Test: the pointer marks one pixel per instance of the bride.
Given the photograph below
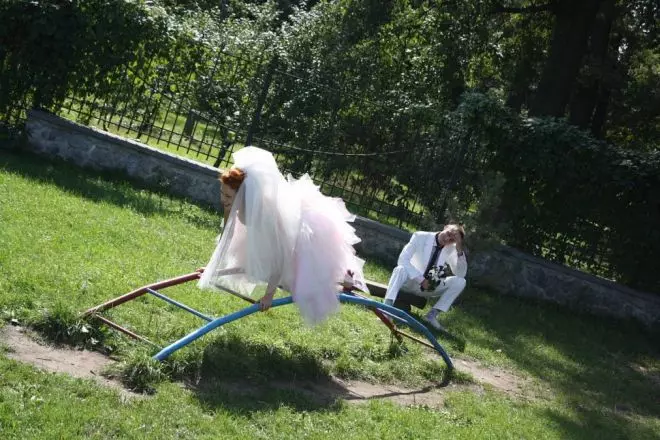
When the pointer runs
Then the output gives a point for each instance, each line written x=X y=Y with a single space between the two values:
x=282 y=232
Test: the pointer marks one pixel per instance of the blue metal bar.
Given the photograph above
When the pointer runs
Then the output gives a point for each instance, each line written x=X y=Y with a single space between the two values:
x=390 y=310
x=180 y=305
x=412 y=322
x=165 y=352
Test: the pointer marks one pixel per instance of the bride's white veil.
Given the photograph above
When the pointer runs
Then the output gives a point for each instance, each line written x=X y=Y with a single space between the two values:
x=265 y=206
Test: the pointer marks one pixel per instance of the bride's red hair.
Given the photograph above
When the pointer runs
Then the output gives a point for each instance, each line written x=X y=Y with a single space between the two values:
x=232 y=177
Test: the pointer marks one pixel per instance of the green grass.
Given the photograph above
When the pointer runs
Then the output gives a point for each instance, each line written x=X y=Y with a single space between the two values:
x=70 y=239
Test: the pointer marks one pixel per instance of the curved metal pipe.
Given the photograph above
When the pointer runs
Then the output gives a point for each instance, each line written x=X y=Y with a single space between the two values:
x=410 y=321
x=345 y=298
x=167 y=351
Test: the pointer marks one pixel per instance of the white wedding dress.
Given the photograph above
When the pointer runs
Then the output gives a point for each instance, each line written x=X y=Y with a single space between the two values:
x=285 y=231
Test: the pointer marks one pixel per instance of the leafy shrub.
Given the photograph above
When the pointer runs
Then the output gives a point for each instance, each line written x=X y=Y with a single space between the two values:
x=48 y=47
x=566 y=196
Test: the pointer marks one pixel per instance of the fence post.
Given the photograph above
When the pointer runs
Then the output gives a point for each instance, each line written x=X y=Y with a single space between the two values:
x=191 y=122
x=452 y=182
x=254 y=125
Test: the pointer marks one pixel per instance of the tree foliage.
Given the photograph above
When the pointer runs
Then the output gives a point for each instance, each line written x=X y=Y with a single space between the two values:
x=422 y=104
x=48 y=47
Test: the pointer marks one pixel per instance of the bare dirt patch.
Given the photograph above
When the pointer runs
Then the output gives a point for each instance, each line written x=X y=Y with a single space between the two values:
x=89 y=365
x=501 y=380
x=77 y=363
x=360 y=391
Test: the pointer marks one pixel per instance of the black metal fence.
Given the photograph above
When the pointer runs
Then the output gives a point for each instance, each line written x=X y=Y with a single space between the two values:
x=207 y=113
x=14 y=116
x=209 y=109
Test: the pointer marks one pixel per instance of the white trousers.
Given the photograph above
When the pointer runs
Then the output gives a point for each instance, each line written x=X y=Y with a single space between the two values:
x=448 y=290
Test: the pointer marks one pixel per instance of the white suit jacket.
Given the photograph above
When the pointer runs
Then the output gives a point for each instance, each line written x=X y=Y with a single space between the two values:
x=415 y=256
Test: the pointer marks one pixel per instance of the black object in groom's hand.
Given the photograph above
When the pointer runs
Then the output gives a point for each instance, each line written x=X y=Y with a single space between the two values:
x=432 y=260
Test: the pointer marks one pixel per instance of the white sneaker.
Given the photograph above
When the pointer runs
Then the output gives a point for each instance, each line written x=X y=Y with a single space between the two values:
x=433 y=323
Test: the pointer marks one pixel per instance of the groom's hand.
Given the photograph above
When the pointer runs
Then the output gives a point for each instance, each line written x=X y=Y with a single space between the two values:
x=425 y=285
x=459 y=242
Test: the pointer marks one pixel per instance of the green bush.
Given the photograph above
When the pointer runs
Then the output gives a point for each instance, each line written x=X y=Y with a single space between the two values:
x=566 y=196
x=48 y=47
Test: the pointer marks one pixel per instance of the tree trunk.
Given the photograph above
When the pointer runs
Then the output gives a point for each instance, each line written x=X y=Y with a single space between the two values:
x=583 y=103
x=588 y=90
x=573 y=24
x=600 y=114
x=518 y=93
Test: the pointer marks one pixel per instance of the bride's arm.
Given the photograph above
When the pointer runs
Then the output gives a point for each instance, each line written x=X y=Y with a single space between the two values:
x=266 y=301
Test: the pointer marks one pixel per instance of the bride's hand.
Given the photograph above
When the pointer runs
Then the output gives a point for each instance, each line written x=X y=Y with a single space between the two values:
x=265 y=302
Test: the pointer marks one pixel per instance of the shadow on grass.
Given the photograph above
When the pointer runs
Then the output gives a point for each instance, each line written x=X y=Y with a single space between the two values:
x=448 y=335
x=102 y=186
x=235 y=356
x=592 y=424
x=244 y=397
x=594 y=364
x=247 y=375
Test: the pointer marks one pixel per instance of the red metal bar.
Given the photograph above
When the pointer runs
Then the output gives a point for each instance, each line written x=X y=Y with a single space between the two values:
x=196 y=275
x=124 y=330
x=399 y=332
x=390 y=324
x=387 y=321
x=393 y=328
x=243 y=297
x=142 y=290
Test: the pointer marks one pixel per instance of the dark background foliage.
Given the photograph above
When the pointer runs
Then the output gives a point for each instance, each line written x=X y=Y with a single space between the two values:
x=535 y=122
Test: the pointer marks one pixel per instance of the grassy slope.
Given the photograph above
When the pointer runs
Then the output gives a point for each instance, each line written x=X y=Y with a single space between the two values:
x=71 y=239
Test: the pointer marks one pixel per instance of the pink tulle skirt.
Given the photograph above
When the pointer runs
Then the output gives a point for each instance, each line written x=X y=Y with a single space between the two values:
x=324 y=252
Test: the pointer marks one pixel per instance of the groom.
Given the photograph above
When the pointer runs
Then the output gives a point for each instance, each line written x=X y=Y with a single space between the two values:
x=432 y=264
